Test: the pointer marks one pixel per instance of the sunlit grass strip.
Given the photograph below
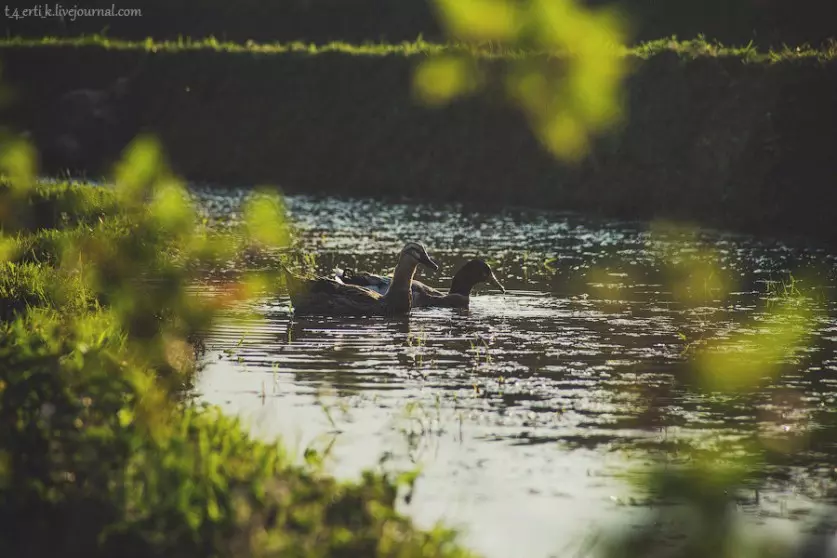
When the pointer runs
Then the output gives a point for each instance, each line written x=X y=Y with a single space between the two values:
x=688 y=49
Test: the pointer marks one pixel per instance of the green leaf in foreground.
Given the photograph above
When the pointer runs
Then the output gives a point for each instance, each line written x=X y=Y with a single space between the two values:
x=568 y=95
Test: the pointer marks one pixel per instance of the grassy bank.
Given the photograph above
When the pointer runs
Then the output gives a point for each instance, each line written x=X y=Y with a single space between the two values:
x=726 y=137
x=765 y=22
x=687 y=50
x=100 y=455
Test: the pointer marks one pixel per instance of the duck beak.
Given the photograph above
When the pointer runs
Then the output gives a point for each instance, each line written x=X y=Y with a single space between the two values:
x=493 y=280
x=425 y=260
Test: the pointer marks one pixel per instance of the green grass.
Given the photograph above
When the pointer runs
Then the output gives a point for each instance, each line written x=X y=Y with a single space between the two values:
x=700 y=47
x=95 y=444
x=29 y=285
x=96 y=350
x=688 y=49
x=59 y=205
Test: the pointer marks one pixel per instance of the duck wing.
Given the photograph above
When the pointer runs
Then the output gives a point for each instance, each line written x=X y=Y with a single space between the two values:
x=377 y=283
x=380 y=284
x=327 y=296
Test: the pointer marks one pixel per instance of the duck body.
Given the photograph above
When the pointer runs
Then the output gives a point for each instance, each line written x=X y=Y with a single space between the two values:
x=326 y=296
x=472 y=273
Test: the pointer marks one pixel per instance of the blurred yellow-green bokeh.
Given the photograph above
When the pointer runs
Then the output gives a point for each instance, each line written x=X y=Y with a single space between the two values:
x=569 y=91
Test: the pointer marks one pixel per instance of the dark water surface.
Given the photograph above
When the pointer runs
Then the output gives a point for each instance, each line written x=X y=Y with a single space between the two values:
x=530 y=412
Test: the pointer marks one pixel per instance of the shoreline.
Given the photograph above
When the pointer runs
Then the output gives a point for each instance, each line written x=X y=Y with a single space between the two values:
x=730 y=139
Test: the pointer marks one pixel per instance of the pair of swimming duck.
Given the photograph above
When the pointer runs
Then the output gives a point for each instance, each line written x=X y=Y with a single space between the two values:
x=352 y=293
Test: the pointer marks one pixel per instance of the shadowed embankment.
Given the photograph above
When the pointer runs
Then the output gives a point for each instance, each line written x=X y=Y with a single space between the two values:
x=716 y=137
x=766 y=23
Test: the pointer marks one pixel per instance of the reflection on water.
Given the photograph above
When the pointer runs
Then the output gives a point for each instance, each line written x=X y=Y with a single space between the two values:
x=527 y=410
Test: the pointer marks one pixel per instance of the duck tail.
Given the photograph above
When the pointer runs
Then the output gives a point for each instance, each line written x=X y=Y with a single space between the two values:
x=295 y=284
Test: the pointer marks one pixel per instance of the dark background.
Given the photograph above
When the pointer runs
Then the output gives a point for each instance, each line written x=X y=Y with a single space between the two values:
x=767 y=23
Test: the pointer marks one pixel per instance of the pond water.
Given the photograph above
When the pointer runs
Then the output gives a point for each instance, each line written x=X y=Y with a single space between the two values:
x=530 y=412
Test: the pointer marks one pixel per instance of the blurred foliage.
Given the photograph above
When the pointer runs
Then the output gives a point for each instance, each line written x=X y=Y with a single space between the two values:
x=568 y=94
x=692 y=509
x=103 y=309
x=443 y=77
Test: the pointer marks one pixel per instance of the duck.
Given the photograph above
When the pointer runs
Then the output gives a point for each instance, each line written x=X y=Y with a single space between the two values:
x=328 y=296
x=458 y=296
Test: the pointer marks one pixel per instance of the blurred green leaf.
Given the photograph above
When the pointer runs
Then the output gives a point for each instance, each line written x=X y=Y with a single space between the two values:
x=17 y=161
x=126 y=417
x=480 y=19
x=440 y=79
x=745 y=359
x=139 y=167
x=569 y=92
x=8 y=248
x=266 y=220
x=172 y=207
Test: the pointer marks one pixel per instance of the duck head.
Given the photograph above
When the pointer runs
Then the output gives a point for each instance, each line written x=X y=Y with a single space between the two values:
x=416 y=252
x=473 y=272
x=399 y=298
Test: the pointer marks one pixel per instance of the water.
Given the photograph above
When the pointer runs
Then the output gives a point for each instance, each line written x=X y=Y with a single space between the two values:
x=529 y=412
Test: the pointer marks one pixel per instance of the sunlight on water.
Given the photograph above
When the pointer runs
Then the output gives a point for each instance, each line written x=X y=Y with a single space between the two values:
x=525 y=411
